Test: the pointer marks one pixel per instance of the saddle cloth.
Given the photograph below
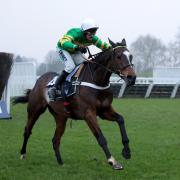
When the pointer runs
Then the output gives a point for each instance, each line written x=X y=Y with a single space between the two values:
x=69 y=86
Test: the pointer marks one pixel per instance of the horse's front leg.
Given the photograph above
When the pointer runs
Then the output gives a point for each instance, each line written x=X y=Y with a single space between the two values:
x=93 y=125
x=111 y=115
x=60 y=128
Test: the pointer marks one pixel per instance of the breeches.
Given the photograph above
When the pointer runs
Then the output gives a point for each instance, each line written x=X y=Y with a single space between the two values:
x=71 y=60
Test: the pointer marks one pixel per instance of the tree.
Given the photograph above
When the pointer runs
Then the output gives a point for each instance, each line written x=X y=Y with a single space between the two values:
x=42 y=68
x=148 y=52
x=51 y=63
x=174 y=51
x=51 y=57
x=19 y=58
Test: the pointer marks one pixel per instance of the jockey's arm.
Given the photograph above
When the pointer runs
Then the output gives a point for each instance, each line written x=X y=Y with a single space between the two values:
x=67 y=43
x=100 y=44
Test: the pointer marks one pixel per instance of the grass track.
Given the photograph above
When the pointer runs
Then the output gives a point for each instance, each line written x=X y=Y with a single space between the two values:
x=153 y=126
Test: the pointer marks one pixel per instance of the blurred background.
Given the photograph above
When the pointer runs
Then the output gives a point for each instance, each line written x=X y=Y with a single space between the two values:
x=31 y=29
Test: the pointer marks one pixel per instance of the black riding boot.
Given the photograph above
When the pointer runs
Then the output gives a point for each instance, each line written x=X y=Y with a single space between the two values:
x=61 y=78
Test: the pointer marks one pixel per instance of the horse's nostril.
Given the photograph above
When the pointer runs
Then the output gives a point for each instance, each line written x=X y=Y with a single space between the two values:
x=131 y=80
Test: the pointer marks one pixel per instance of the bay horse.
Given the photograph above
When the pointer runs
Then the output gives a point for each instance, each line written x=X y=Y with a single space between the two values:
x=88 y=103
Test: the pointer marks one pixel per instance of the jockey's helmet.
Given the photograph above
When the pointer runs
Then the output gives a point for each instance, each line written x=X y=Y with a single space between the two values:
x=89 y=24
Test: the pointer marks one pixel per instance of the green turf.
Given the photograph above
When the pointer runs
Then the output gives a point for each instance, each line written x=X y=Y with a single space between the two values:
x=153 y=127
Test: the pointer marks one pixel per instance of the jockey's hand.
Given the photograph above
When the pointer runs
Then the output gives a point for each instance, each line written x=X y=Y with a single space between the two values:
x=81 y=49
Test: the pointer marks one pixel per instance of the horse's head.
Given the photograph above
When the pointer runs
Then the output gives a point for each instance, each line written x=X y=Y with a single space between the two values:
x=121 y=62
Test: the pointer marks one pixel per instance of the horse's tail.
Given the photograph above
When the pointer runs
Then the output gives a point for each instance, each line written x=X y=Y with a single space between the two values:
x=22 y=99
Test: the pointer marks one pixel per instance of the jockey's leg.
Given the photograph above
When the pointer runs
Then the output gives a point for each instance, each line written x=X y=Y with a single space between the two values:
x=61 y=78
x=69 y=66
x=78 y=58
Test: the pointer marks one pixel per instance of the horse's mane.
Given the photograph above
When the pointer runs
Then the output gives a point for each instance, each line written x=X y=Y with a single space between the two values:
x=101 y=55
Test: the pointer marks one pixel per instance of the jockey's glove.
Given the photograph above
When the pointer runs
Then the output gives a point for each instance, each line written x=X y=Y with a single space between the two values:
x=81 y=49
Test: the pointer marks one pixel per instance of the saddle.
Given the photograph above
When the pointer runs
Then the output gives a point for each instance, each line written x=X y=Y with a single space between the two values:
x=69 y=86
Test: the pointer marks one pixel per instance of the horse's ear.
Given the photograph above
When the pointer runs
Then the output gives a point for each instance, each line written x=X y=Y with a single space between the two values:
x=123 y=42
x=112 y=43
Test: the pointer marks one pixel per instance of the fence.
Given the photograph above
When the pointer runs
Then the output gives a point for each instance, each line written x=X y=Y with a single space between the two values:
x=160 y=86
x=23 y=77
x=147 y=88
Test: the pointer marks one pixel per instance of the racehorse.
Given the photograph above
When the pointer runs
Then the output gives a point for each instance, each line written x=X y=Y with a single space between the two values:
x=90 y=101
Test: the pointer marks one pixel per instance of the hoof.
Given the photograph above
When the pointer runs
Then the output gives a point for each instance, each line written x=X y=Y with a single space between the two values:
x=126 y=153
x=60 y=162
x=23 y=156
x=117 y=166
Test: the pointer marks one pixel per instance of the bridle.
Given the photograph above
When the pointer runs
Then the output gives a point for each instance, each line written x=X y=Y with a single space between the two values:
x=117 y=70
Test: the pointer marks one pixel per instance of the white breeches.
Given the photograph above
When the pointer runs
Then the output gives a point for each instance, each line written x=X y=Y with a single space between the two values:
x=70 y=60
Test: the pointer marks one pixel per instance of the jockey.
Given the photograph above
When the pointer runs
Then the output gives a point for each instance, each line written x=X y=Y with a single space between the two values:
x=71 y=48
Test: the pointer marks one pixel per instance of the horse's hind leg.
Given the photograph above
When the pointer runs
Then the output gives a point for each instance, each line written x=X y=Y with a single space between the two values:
x=60 y=128
x=34 y=111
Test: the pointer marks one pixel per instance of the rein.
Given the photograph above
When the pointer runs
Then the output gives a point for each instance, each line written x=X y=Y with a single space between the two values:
x=92 y=60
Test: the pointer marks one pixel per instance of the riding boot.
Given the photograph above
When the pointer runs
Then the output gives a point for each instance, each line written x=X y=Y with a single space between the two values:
x=61 y=78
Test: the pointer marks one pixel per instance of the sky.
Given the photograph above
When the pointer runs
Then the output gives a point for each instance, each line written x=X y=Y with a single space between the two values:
x=31 y=28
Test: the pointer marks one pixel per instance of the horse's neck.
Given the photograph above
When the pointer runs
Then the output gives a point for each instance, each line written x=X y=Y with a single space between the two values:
x=101 y=76
x=97 y=73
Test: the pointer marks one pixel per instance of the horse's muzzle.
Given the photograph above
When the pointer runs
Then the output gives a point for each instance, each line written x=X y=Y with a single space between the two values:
x=130 y=80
